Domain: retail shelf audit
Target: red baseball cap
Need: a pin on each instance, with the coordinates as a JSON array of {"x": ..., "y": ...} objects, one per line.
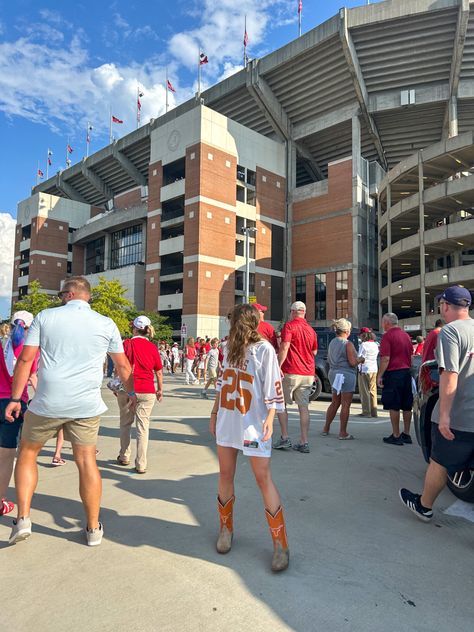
[
  {"x": 365, "y": 330},
  {"x": 261, "y": 308}
]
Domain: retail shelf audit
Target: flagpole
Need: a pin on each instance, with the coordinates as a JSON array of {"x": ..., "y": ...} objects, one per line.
[
  {"x": 110, "y": 124},
  {"x": 47, "y": 165},
  {"x": 88, "y": 140},
  {"x": 138, "y": 109},
  {"x": 199, "y": 72},
  {"x": 166, "y": 88},
  {"x": 245, "y": 41},
  {"x": 67, "y": 153},
  {"x": 37, "y": 173},
  {"x": 300, "y": 11}
]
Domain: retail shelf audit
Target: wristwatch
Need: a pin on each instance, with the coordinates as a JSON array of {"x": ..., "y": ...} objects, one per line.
[
  {"x": 132, "y": 394},
  {"x": 15, "y": 401}
]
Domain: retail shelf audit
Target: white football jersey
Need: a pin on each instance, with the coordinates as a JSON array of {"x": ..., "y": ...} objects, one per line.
[{"x": 246, "y": 394}]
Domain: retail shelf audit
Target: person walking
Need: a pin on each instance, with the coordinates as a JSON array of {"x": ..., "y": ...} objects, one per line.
[
  {"x": 72, "y": 340},
  {"x": 147, "y": 364},
  {"x": 343, "y": 361},
  {"x": 212, "y": 366},
  {"x": 174, "y": 357},
  {"x": 418, "y": 346},
  {"x": 452, "y": 432},
  {"x": 394, "y": 377},
  {"x": 9, "y": 432},
  {"x": 299, "y": 345},
  {"x": 190, "y": 357},
  {"x": 369, "y": 351},
  {"x": 431, "y": 341},
  {"x": 265, "y": 329},
  {"x": 249, "y": 393}
]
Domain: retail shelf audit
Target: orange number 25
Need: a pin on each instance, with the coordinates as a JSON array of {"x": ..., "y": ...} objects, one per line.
[{"x": 233, "y": 391}]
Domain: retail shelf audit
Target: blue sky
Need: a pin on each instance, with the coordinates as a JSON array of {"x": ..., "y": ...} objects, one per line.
[{"x": 63, "y": 63}]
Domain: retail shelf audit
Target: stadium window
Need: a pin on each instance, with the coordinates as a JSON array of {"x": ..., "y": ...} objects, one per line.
[
  {"x": 342, "y": 294},
  {"x": 95, "y": 255},
  {"x": 300, "y": 293},
  {"x": 126, "y": 247},
  {"x": 320, "y": 296}
]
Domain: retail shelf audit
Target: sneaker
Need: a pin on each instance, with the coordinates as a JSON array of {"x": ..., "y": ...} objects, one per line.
[
  {"x": 393, "y": 440},
  {"x": 21, "y": 530},
  {"x": 281, "y": 443},
  {"x": 6, "y": 506},
  {"x": 204, "y": 394},
  {"x": 301, "y": 447},
  {"x": 413, "y": 503},
  {"x": 406, "y": 438},
  {"x": 94, "y": 536}
]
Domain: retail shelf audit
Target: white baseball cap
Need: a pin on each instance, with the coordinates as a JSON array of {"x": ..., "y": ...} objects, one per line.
[
  {"x": 298, "y": 306},
  {"x": 23, "y": 315},
  {"x": 141, "y": 322}
]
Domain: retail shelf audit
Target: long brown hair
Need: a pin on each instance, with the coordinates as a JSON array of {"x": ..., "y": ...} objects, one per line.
[{"x": 244, "y": 320}]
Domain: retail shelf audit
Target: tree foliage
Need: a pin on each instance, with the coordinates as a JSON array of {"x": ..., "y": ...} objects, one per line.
[
  {"x": 108, "y": 299},
  {"x": 163, "y": 331},
  {"x": 36, "y": 300}
]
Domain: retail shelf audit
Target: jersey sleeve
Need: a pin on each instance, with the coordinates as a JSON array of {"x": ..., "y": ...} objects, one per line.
[{"x": 272, "y": 387}]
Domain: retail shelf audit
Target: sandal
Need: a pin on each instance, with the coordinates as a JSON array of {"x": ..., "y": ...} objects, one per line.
[
  {"x": 140, "y": 471},
  {"x": 120, "y": 462},
  {"x": 346, "y": 438},
  {"x": 56, "y": 462},
  {"x": 6, "y": 506}
]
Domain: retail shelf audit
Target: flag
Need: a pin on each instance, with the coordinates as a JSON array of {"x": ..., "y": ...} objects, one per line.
[
  {"x": 139, "y": 103},
  {"x": 116, "y": 120},
  {"x": 68, "y": 162},
  {"x": 50, "y": 153},
  {"x": 170, "y": 86},
  {"x": 88, "y": 137},
  {"x": 49, "y": 162},
  {"x": 40, "y": 173},
  {"x": 69, "y": 149},
  {"x": 246, "y": 38},
  {"x": 203, "y": 59},
  {"x": 300, "y": 6}
]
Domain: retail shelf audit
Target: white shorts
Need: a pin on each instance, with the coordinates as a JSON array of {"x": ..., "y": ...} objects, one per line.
[
  {"x": 201, "y": 365},
  {"x": 242, "y": 436}
]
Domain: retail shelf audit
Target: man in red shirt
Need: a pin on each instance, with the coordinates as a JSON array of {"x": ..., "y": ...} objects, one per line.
[
  {"x": 431, "y": 341},
  {"x": 298, "y": 347},
  {"x": 265, "y": 329},
  {"x": 394, "y": 377}
]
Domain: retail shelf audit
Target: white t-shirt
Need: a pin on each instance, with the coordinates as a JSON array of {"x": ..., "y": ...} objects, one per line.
[
  {"x": 370, "y": 351},
  {"x": 175, "y": 353},
  {"x": 73, "y": 340},
  {"x": 246, "y": 394}
]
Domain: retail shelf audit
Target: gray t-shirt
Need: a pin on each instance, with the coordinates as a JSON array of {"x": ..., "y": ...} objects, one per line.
[
  {"x": 337, "y": 356},
  {"x": 455, "y": 352}
]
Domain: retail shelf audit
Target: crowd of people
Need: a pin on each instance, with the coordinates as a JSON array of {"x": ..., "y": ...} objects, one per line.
[{"x": 256, "y": 373}]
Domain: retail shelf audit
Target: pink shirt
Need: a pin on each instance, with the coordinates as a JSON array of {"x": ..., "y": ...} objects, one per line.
[{"x": 6, "y": 380}]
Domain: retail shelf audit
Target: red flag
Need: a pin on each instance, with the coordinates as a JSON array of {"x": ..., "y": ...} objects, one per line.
[
  {"x": 170, "y": 86},
  {"x": 116, "y": 120},
  {"x": 246, "y": 38},
  {"x": 203, "y": 59},
  {"x": 300, "y": 6},
  {"x": 69, "y": 149},
  {"x": 139, "y": 103},
  {"x": 49, "y": 162},
  {"x": 40, "y": 173}
]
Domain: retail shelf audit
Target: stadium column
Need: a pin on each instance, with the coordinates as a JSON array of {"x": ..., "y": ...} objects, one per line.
[
  {"x": 453, "y": 116},
  {"x": 290, "y": 187},
  {"x": 389, "y": 246},
  {"x": 421, "y": 234},
  {"x": 359, "y": 260}
]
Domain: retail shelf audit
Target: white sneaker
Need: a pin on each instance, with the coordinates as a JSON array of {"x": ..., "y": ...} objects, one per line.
[
  {"x": 21, "y": 530},
  {"x": 94, "y": 536}
]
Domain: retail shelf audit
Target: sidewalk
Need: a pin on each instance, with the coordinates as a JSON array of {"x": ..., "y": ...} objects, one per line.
[{"x": 359, "y": 561}]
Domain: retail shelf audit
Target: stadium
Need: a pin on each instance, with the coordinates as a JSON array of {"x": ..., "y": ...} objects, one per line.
[{"x": 341, "y": 161}]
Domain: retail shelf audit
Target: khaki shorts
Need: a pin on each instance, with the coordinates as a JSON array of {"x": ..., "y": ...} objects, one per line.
[
  {"x": 297, "y": 388},
  {"x": 212, "y": 374},
  {"x": 38, "y": 429}
]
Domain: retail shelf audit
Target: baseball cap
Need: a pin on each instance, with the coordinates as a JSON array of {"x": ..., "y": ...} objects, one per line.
[
  {"x": 141, "y": 322},
  {"x": 261, "y": 308},
  {"x": 456, "y": 295},
  {"x": 175, "y": 344},
  {"x": 23, "y": 315},
  {"x": 365, "y": 330},
  {"x": 298, "y": 306}
]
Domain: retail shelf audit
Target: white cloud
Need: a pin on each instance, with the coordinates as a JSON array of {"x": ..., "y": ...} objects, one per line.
[{"x": 7, "y": 246}]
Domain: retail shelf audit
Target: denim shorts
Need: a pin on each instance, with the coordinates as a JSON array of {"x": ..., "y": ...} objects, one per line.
[{"x": 9, "y": 432}]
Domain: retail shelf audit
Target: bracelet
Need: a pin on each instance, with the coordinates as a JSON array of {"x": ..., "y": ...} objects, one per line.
[
  {"x": 15, "y": 401},
  {"x": 132, "y": 394},
  {"x": 213, "y": 414}
]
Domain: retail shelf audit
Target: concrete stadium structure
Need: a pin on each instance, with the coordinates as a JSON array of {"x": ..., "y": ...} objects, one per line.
[{"x": 358, "y": 96}]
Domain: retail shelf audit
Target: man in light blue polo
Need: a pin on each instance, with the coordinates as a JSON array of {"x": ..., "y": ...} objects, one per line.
[{"x": 73, "y": 341}]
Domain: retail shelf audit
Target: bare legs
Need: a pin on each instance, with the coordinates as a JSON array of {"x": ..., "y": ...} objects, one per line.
[
  {"x": 304, "y": 423},
  {"x": 283, "y": 419},
  {"x": 435, "y": 481},
  {"x": 227, "y": 464},
  {"x": 395, "y": 421},
  {"x": 59, "y": 445},
  {"x": 344, "y": 400},
  {"x": 26, "y": 476},
  {"x": 7, "y": 458}
]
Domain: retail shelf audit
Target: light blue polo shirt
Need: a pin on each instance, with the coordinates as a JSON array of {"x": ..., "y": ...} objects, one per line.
[{"x": 73, "y": 341}]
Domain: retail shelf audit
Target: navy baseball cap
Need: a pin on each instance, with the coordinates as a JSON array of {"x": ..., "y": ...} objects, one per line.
[{"x": 456, "y": 295}]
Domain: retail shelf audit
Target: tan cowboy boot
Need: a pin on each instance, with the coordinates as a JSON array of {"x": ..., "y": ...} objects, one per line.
[
  {"x": 226, "y": 533},
  {"x": 281, "y": 552}
]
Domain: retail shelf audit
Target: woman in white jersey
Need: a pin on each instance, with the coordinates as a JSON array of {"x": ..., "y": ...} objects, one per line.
[{"x": 249, "y": 394}]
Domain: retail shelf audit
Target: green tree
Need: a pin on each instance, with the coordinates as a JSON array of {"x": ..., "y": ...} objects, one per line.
[
  {"x": 108, "y": 299},
  {"x": 36, "y": 300},
  {"x": 163, "y": 331}
]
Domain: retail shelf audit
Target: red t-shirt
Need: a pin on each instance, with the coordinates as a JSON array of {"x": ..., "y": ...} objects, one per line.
[
  {"x": 418, "y": 348},
  {"x": 207, "y": 347},
  {"x": 303, "y": 343},
  {"x": 6, "y": 379},
  {"x": 430, "y": 345},
  {"x": 145, "y": 359},
  {"x": 267, "y": 332},
  {"x": 190, "y": 352},
  {"x": 397, "y": 345}
]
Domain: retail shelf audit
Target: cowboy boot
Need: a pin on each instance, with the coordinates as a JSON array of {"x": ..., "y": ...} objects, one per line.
[
  {"x": 281, "y": 553},
  {"x": 226, "y": 532}
]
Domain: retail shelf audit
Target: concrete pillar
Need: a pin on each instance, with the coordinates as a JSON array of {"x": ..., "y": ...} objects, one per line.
[
  {"x": 453, "y": 117},
  {"x": 291, "y": 186},
  {"x": 421, "y": 233},
  {"x": 107, "y": 251},
  {"x": 389, "y": 246},
  {"x": 359, "y": 262}
]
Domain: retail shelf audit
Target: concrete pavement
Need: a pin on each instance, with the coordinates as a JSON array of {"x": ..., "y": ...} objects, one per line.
[{"x": 359, "y": 560}]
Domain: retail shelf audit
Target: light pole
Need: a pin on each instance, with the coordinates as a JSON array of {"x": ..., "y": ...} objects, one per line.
[{"x": 247, "y": 230}]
